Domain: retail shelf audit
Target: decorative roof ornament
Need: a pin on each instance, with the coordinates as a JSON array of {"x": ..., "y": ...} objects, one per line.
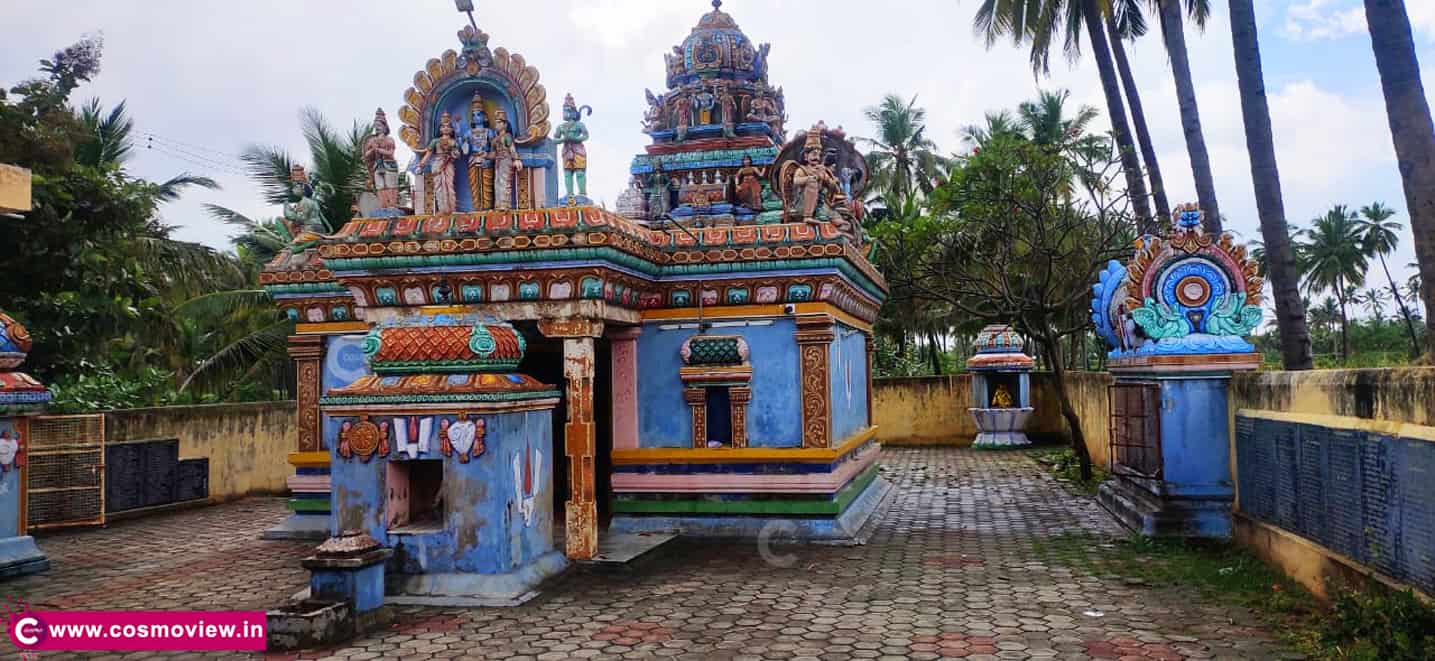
[
  {"x": 443, "y": 343},
  {"x": 20, "y": 393},
  {"x": 999, "y": 347},
  {"x": 1186, "y": 293},
  {"x": 499, "y": 68}
]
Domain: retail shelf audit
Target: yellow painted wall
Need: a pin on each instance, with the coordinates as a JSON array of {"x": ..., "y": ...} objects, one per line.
[
  {"x": 247, "y": 444},
  {"x": 14, "y": 189}
]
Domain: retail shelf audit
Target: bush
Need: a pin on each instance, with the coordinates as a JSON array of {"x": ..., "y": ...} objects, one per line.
[
  {"x": 1380, "y": 624},
  {"x": 103, "y": 390}
]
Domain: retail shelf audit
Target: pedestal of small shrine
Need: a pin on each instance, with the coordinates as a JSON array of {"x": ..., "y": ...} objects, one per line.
[
  {"x": 1175, "y": 316},
  {"x": 21, "y": 398}
]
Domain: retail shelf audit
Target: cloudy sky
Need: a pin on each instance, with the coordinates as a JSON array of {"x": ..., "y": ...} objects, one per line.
[{"x": 206, "y": 78}]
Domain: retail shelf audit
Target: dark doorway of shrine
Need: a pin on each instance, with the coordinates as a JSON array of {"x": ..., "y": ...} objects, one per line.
[{"x": 544, "y": 361}]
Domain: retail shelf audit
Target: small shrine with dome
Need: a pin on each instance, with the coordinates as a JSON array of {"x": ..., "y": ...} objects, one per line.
[{"x": 1001, "y": 388}]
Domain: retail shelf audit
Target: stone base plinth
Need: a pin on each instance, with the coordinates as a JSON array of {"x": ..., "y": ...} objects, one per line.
[
  {"x": 1145, "y": 513},
  {"x": 19, "y": 556}
]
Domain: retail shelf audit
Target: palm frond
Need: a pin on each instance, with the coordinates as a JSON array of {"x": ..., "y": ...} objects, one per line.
[
  {"x": 243, "y": 352},
  {"x": 171, "y": 189}
]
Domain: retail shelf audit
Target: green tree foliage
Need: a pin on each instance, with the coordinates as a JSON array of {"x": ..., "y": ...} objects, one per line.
[
  {"x": 903, "y": 160},
  {"x": 89, "y": 268},
  {"x": 1333, "y": 255},
  {"x": 1016, "y": 236}
]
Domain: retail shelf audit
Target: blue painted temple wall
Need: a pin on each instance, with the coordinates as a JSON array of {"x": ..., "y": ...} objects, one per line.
[
  {"x": 847, "y": 377},
  {"x": 774, "y": 418},
  {"x": 484, "y": 530}
]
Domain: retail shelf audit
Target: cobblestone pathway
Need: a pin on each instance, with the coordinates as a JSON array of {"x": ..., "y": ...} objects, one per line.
[{"x": 962, "y": 566}]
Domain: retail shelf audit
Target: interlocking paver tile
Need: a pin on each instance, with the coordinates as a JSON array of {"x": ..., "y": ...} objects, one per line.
[{"x": 952, "y": 571}]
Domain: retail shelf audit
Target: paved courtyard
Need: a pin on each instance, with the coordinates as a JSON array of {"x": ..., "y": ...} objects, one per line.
[{"x": 960, "y": 567}]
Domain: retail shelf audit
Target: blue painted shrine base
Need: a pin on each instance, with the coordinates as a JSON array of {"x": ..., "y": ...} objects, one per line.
[
  {"x": 1147, "y": 514},
  {"x": 510, "y": 588},
  {"x": 312, "y": 526},
  {"x": 19, "y": 556},
  {"x": 845, "y": 528}
]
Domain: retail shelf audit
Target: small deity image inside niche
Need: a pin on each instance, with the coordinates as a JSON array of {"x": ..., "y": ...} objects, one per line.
[
  {"x": 1002, "y": 390},
  {"x": 415, "y": 495}
]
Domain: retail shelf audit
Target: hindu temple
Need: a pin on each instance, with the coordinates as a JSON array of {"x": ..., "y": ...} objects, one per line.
[{"x": 491, "y": 368}]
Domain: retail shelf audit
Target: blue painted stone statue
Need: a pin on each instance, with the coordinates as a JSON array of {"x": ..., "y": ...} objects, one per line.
[{"x": 1175, "y": 316}]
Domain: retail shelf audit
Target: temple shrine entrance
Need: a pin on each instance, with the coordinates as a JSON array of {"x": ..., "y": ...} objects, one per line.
[{"x": 544, "y": 361}]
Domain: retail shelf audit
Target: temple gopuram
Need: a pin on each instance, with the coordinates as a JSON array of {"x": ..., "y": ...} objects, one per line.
[{"x": 491, "y": 369}]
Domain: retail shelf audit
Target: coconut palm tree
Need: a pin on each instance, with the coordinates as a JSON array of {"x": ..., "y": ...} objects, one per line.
[
  {"x": 999, "y": 125},
  {"x": 1122, "y": 23},
  {"x": 1039, "y": 24},
  {"x": 338, "y": 173},
  {"x": 903, "y": 160},
  {"x": 1265, "y": 175},
  {"x": 1174, "y": 33},
  {"x": 1373, "y": 300},
  {"x": 1411, "y": 129},
  {"x": 1333, "y": 257},
  {"x": 1381, "y": 237}
]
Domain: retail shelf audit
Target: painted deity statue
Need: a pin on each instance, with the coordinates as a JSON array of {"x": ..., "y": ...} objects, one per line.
[
  {"x": 728, "y": 105},
  {"x": 705, "y": 101},
  {"x": 302, "y": 215},
  {"x": 478, "y": 146},
  {"x": 506, "y": 162},
  {"x": 439, "y": 157},
  {"x": 749, "y": 185},
  {"x": 682, "y": 116},
  {"x": 764, "y": 109},
  {"x": 656, "y": 188},
  {"x": 572, "y": 133},
  {"x": 1002, "y": 399},
  {"x": 809, "y": 180},
  {"x": 653, "y": 116},
  {"x": 383, "y": 167}
]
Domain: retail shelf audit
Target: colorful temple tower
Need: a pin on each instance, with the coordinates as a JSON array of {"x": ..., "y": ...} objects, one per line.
[
  {"x": 21, "y": 398},
  {"x": 1175, "y": 316},
  {"x": 711, "y": 356}
]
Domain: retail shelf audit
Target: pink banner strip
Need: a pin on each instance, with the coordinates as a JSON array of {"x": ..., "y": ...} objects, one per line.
[{"x": 43, "y": 631}]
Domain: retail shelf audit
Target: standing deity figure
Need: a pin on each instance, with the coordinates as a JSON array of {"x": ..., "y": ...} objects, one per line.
[
  {"x": 749, "y": 185},
  {"x": 728, "y": 105},
  {"x": 383, "y": 167},
  {"x": 506, "y": 162},
  {"x": 653, "y": 116},
  {"x": 302, "y": 215},
  {"x": 478, "y": 146},
  {"x": 682, "y": 115},
  {"x": 764, "y": 109},
  {"x": 706, "y": 101},
  {"x": 808, "y": 180},
  {"x": 657, "y": 189},
  {"x": 572, "y": 133},
  {"x": 440, "y": 156}
]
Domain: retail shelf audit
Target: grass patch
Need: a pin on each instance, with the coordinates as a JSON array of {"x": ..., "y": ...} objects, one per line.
[
  {"x": 1062, "y": 463},
  {"x": 1371, "y": 624}
]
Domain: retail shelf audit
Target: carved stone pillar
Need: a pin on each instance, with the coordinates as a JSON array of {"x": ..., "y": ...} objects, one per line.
[
  {"x": 814, "y": 339},
  {"x": 739, "y": 396},
  {"x": 624, "y": 352},
  {"x": 307, "y": 351},
  {"x": 579, "y": 439},
  {"x": 697, "y": 399}
]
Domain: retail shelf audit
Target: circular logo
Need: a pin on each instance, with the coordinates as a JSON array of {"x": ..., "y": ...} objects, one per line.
[
  {"x": 1193, "y": 291},
  {"x": 26, "y": 630}
]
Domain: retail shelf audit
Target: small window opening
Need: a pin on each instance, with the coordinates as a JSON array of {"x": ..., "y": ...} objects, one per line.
[{"x": 415, "y": 502}]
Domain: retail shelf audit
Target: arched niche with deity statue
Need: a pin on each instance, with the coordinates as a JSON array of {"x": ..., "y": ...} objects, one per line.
[{"x": 478, "y": 122}]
